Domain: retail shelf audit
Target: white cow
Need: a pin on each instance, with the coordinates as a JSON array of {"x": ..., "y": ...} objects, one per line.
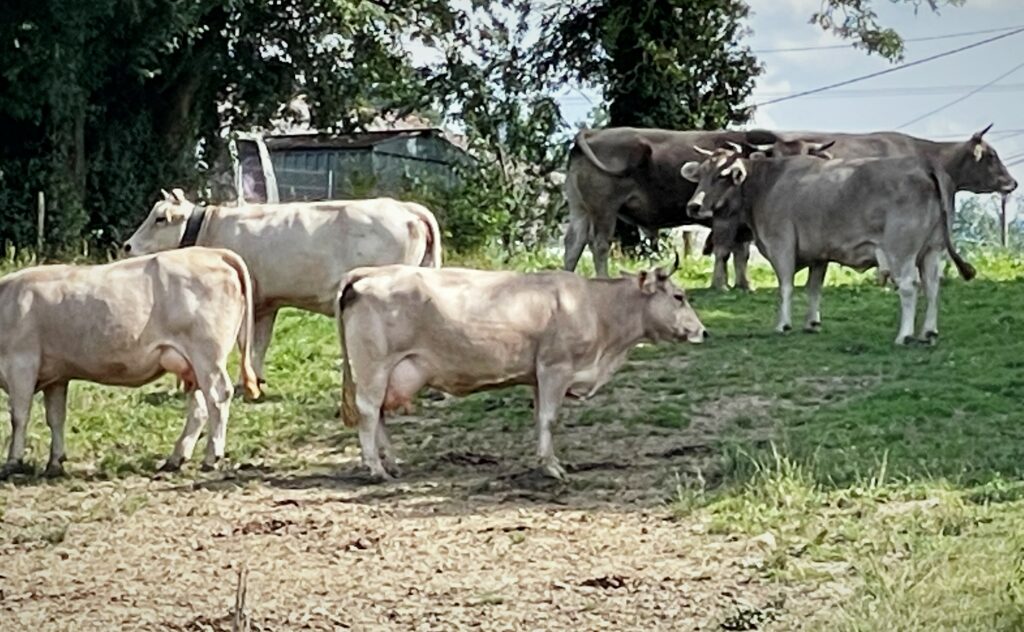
[
  {"x": 462, "y": 331},
  {"x": 297, "y": 253},
  {"x": 126, "y": 324}
]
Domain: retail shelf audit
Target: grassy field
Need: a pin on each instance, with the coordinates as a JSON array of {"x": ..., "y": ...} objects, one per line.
[{"x": 872, "y": 487}]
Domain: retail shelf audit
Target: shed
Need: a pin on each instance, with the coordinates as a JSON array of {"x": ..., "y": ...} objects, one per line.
[{"x": 320, "y": 166}]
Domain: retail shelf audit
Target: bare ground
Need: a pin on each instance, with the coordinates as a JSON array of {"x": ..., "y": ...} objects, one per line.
[{"x": 469, "y": 538}]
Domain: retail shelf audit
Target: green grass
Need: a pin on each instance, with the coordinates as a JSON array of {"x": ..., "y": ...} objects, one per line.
[{"x": 894, "y": 472}]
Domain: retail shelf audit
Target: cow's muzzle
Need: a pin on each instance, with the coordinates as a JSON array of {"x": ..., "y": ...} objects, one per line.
[
  {"x": 127, "y": 248},
  {"x": 1009, "y": 187}
]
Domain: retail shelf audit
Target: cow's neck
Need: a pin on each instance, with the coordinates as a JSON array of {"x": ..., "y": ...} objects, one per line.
[
  {"x": 621, "y": 319},
  {"x": 951, "y": 157},
  {"x": 221, "y": 228}
]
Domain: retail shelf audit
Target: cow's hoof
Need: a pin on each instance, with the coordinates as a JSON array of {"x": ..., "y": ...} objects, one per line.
[
  {"x": 393, "y": 469},
  {"x": 381, "y": 476},
  {"x": 905, "y": 341},
  {"x": 930, "y": 337},
  {"x": 171, "y": 465},
  {"x": 209, "y": 466},
  {"x": 743, "y": 288},
  {"x": 554, "y": 470},
  {"x": 813, "y": 327},
  {"x": 11, "y": 468},
  {"x": 784, "y": 329},
  {"x": 54, "y": 469}
]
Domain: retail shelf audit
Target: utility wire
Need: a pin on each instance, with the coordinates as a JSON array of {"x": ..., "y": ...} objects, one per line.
[
  {"x": 932, "y": 38},
  {"x": 963, "y": 97},
  {"x": 889, "y": 70}
]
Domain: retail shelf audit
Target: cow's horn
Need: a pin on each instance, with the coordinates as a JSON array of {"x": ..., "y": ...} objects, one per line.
[
  {"x": 167, "y": 196},
  {"x": 735, "y": 146},
  {"x": 824, "y": 146},
  {"x": 982, "y": 132},
  {"x": 702, "y": 151}
]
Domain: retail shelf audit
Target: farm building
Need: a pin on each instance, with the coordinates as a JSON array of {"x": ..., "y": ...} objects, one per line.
[{"x": 320, "y": 166}]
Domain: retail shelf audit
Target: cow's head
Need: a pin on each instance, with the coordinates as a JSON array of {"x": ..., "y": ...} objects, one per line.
[
  {"x": 667, "y": 314},
  {"x": 718, "y": 179},
  {"x": 163, "y": 228},
  {"x": 978, "y": 169}
]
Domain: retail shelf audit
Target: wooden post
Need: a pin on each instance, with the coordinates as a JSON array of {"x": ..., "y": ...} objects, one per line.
[{"x": 40, "y": 223}]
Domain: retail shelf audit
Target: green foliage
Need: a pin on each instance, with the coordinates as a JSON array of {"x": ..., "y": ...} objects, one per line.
[
  {"x": 103, "y": 103},
  {"x": 857, "y": 20}
]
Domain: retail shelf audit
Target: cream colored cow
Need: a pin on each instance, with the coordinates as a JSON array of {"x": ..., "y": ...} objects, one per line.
[
  {"x": 297, "y": 253},
  {"x": 462, "y": 331},
  {"x": 125, "y": 324}
]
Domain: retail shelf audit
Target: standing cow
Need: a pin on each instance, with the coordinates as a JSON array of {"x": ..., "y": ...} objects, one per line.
[
  {"x": 297, "y": 253},
  {"x": 972, "y": 165},
  {"x": 633, "y": 174},
  {"x": 463, "y": 331},
  {"x": 125, "y": 324},
  {"x": 892, "y": 213}
]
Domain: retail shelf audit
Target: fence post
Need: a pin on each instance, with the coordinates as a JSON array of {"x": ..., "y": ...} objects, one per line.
[
  {"x": 1003, "y": 237},
  {"x": 40, "y": 222}
]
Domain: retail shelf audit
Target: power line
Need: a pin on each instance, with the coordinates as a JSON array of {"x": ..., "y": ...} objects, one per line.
[
  {"x": 1013, "y": 157},
  {"x": 889, "y": 70},
  {"x": 800, "y": 49},
  {"x": 907, "y": 91},
  {"x": 963, "y": 97},
  {"x": 1002, "y": 133}
]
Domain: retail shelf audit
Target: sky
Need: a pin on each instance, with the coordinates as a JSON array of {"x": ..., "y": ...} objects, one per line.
[{"x": 784, "y": 24}]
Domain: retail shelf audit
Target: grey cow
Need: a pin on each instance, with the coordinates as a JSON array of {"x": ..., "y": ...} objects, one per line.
[
  {"x": 972, "y": 165},
  {"x": 633, "y": 174},
  {"x": 892, "y": 213}
]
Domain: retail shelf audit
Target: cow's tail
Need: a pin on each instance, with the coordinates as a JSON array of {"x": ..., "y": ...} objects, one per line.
[
  {"x": 581, "y": 142},
  {"x": 432, "y": 253},
  {"x": 946, "y": 198},
  {"x": 249, "y": 380},
  {"x": 349, "y": 411}
]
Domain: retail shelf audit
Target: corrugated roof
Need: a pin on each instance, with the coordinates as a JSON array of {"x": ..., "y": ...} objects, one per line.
[{"x": 356, "y": 140}]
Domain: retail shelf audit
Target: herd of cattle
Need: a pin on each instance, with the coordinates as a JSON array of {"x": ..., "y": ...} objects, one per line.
[{"x": 199, "y": 279}]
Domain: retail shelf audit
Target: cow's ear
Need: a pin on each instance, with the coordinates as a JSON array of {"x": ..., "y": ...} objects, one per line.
[
  {"x": 179, "y": 196},
  {"x": 691, "y": 171},
  {"x": 648, "y": 281},
  {"x": 167, "y": 196}
]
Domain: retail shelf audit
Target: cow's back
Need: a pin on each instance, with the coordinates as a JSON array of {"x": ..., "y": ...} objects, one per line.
[{"x": 297, "y": 253}]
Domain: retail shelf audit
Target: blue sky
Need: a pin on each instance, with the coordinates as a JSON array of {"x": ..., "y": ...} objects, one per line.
[{"x": 784, "y": 24}]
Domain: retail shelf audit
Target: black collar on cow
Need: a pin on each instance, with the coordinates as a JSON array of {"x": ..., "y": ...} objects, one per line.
[{"x": 192, "y": 226}]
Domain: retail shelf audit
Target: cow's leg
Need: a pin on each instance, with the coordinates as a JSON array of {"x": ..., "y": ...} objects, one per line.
[
  {"x": 815, "y": 279},
  {"x": 575, "y": 241},
  {"x": 720, "y": 275},
  {"x": 784, "y": 271},
  {"x": 195, "y": 420},
  {"x": 369, "y": 399},
  {"x": 262, "y": 332},
  {"x": 740, "y": 257},
  {"x": 550, "y": 391},
  {"x": 931, "y": 273},
  {"x": 386, "y": 451},
  {"x": 20, "y": 388},
  {"x": 600, "y": 245},
  {"x": 215, "y": 382},
  {"x": 55, "y": 399},
  {"x": 905, "y": 272}
]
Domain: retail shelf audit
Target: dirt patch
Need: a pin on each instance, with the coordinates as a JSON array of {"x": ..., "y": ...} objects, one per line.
[{"x": 469, "y": 537}]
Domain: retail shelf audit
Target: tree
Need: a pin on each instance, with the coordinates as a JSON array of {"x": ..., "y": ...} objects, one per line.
[
  {"x": 677, "y": 64},
  {"x": 857, "y": 20}
]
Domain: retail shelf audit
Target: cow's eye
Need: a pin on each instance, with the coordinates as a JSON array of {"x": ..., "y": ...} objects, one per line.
[
  {"x": 160, "y": 220},
  {"x": 679, "y": 297}
]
